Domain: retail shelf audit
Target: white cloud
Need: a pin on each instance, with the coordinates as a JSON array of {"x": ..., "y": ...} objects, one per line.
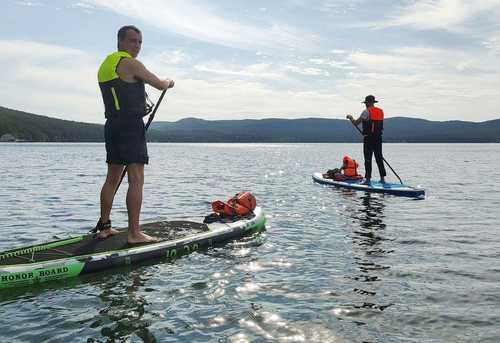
[
  {"x": 418, "y": 60},
  {"x": 331, "y": 63},
  {"x": 254, "y": 71},
  {"x": 174, "y": 57},
  {"x": 29, "y": 3},
  {"x": 338, "y": 51},
  {"x": 270, "y": 81},
  {"x": 85, "y": 6},
  {"x": 28, "y": 49},
  {"x": 317, "y": 60},
  {"x": 61, "y": 82},
  {"x": 493, "y": 44},
  {"x": 203, "y": 23},
  {"x": 437, "y": 83},
  {"x": 50, "y": 79},
  {"x": 440, "y": 14},
  {"x": 341, "y": 6},
  {"x": 239, "y": 99},
  {"x": 307, "y": 71}
]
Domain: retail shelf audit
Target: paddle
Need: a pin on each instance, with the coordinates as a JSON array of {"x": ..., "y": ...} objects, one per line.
[
  {"x": 357, "y": 128},
  {"x": 150, "y": 119}
]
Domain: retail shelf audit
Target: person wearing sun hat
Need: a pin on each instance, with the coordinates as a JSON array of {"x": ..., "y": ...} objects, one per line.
[{"x": 372, "y": 120}]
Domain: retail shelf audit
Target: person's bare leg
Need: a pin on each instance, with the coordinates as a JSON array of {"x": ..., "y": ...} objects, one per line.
[
  {"x": 134, "y": 202},
  {"x": 108, "y": 194}
]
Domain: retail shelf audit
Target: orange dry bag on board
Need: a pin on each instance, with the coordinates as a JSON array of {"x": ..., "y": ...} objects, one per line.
[
  {"x": 244, "y": 199},
  {"x": 241, "y": 204}
]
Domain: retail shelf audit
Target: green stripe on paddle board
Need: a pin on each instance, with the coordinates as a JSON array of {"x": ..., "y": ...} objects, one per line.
[
  {"x": 17, "y": 279},
  {"x": 40, "y": 247}
]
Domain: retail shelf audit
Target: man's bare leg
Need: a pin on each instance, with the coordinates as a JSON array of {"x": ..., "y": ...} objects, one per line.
[
  {"x": 134, "y": 202},
  {"x": 108, "y": 194}
]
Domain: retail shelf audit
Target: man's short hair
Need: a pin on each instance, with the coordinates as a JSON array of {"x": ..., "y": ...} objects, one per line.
[{"x": 122, "y": 32}]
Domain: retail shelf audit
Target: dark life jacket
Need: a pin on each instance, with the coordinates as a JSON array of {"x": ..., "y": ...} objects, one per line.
[
  {"x": 120, "y": 98},
  {"x": 374, "y": 126}
]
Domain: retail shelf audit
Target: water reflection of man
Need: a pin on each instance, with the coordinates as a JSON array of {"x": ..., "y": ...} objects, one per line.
[{"x": 368, "y": 238}]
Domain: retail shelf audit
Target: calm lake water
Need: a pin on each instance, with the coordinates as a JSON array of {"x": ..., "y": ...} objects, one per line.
[{"x": 333, "y": 266}]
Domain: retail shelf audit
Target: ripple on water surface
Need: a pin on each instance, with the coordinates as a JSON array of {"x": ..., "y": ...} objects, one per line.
[{"x": 333, "y": 265}]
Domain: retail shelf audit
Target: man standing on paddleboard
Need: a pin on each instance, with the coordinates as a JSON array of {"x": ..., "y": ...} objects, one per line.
[
  {"x": 121, "y": 80},
  {"x": 372, "y": 119}
]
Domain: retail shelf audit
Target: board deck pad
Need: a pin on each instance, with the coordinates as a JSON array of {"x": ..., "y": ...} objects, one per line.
[{"x": 91, "y": 244}]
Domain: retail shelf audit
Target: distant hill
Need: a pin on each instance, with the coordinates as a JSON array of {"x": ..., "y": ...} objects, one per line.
[
  {"x": 262, "y": 130},
  {"x": 30, "y": 127},
  {"x": 35, "y": 128},
  {"x": 315, "y": 130},
  {"x": 401, "y": 129}
]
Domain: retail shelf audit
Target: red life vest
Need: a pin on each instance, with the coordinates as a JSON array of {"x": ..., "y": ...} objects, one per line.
[
  {"x": 375, "y": 124},
  {"x": 350, "y": 166},
  {"x": 376, "y": 113}
]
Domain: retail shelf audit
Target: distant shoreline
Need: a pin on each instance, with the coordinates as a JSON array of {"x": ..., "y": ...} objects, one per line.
[
  {"x": 20, "y": 127},
  {"x": 257, "y": 143}
]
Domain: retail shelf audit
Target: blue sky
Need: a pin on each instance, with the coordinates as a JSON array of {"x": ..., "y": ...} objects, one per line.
[{"x": 432, "y": 59}]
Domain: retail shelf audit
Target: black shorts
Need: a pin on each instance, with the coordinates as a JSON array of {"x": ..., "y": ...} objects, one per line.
[{"x": 125, "y": 141}]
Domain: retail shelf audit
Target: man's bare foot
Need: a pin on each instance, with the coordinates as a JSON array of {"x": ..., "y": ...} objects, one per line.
[
  {"x": 107, "y": 233},
  {"x": 140, "y": 237}
]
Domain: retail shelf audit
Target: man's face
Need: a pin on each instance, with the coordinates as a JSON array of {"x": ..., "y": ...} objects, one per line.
[{"x": 131, "y": 43}]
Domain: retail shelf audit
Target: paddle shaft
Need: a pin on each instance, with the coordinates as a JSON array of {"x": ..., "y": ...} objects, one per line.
[
  {"x": 150, "y": 119},
  {"x": 361, "y": 132}
]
